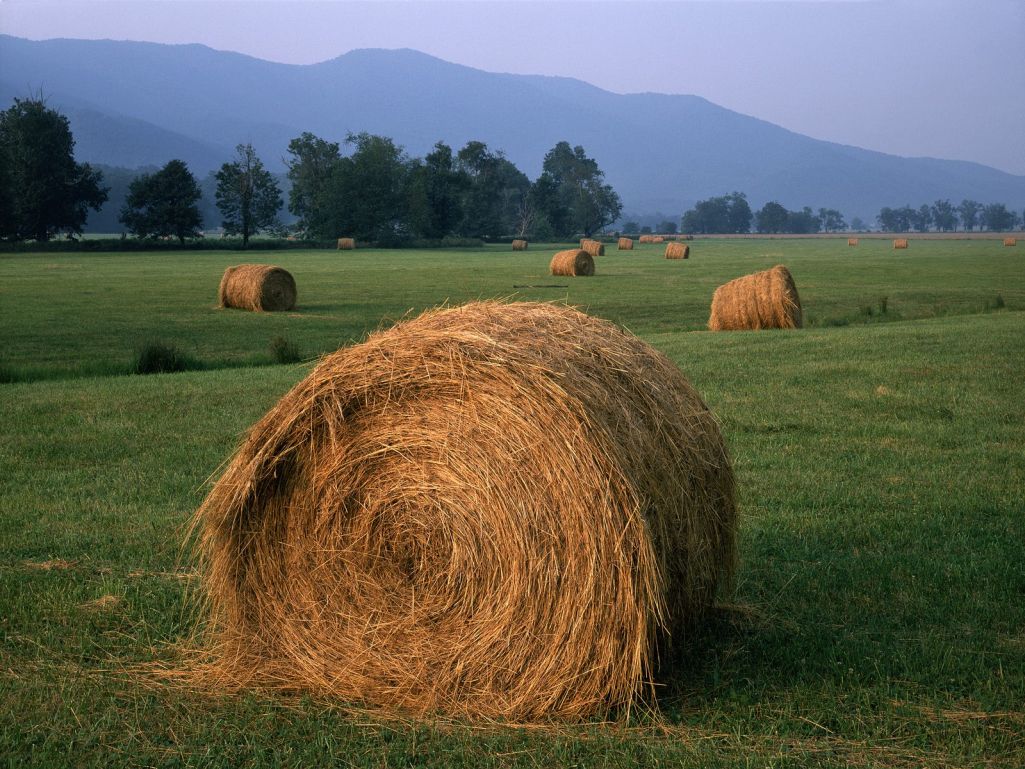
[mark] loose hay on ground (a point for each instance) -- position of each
(497, 510)
(257, 287)
(765, 299)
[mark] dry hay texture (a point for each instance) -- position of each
(765, 299)
(257, 287)
(519, 245)
(574, 261)
(593, 247)
(900, 243)
(497, 510)
(677, 251)
(1010, 242)
(346, 244)
(625, 244)
(852, 241)
(657, 239)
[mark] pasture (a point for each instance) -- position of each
(879, 618)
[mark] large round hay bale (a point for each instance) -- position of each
(626, 244)
(519, 245)
(677, 251)
(900, 243)
(573, 261)
(257, 287)
(593, 247)
(765, 299)
(1010, 241)
(346, 244)
(492, 511)
(852, 241)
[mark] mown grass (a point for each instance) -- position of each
(879, 618)
(67, 315)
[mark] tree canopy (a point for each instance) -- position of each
(164, 204)
(248, 196)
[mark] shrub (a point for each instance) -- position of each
(284, 351)
(161, 358)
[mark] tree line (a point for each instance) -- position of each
(375, 193)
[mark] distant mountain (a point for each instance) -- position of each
(143, 103)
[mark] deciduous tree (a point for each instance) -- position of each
(164, 204)
(248, 196)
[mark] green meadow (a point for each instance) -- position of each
(879, 616)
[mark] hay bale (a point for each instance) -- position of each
(677, 251)
(574, 261)
(765, 299)
(593, 247)
(852, 241)
(257, 287)
(644, 239)
(519, 245)
(900, 243)
(346, 244)
(657, 239)
(1010, 242)
(625, 244)
(491, 511)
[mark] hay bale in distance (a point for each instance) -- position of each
(852, 241)
(644, 239)
(519, 245)
(1010, 241)
(765, 299)
(574, 261)
(492, 511)
(257, 287)
(625, 244)
(346, 244)
(593, 247)
(657, 239)
(677, 251)
(900, 243)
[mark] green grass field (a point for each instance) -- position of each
(879, 618)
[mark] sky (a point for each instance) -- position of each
(939, 78)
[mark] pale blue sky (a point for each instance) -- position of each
(944, 78)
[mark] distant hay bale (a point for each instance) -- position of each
(257, 287)
(574, 261)
(765, 299)
(519, 245)
(900, 243)
(494, 511)
(677, 251)
(593, 247)
(657, 239)
(346, 244)
(626, 244)
(852, 241)
(1010, 241)
(644, 239)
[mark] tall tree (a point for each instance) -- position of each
(803, 222)
(997, 218)
(725, 214)
(164, 204)
(309, 168)
(44, 191)
(248, 196)
(944, 216)
(969, 211)
(771, 218)
(495, 192)
(366, 193)
(434, 193)
(921, 218)
(832, 220)
(582, 202)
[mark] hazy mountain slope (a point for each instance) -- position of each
(659, 151)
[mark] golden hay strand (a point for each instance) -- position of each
(519, 245)
(625, 244)
(852, 241)
(900, 243)
(346, 244)
(574, 261)
(677, 251)
(257, 287)
(765, 299)
(1010, 242)
(491, 511)
(593, 247)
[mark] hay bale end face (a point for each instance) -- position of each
(1010, 241)
(257, 287)
(677, 251)
(593, 247)
(762, 300)
(519, 245)
(852, 241)
(900, 243)
(574, 261)
(491, 511)
(346, 244)
(626, 244)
